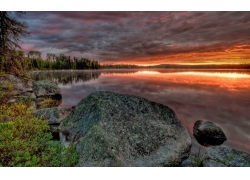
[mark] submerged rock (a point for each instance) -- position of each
(225, 157)
(207, 133)
(111, 129)
(46, 88)
(54, 115)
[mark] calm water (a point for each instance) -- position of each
(220, 96)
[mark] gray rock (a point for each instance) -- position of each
(19, 86)
(111, 129)
(27, 98)
(46, 88)
(186, 163)
(208, 133)
(225, 157)
(54, 115)
(13, 100)
(14, 79)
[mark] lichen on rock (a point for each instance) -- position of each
(111, 129)
(218, 156)
(46, 88)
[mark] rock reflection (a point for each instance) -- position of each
(65, 77)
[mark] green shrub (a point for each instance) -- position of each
(56, 155)
(42, 103)
(197, 159)
(26, 140)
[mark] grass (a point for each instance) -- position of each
(26, 99)
(197, 159)
(46, 103)
(26, 140)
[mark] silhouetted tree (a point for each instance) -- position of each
(10, 32)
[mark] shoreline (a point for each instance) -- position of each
(124, 70)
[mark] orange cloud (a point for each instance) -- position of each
(239, 54)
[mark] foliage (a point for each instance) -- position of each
(197, 159)
(27, 100)
(47, 103)
(14, 63)
(119, 66)
(10, 32)
(26, 140)
(34, 61)
(56, 155)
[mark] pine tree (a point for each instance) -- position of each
(10, 32)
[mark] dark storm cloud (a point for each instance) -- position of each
(113, 36)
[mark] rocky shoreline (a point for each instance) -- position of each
(111, 129)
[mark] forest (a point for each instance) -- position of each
(34, 61)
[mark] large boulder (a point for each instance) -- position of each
(208, 134)
(54, 115)
(46, 88)
(217, 156)
(111, 129)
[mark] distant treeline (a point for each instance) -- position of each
(204, 66)
(179, 66)
(34, 61)
(118, 66)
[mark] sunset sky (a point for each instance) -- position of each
(142, 38)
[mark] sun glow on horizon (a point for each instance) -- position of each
(172, 63)
(227, 75)
(148, 72)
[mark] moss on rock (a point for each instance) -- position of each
(111, 129)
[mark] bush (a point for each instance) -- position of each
(42, 103)
(56, 155)
(26, 140)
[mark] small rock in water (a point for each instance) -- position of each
(208, 134)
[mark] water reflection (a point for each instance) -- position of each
(148, 72)
(217, 74)
(220, 96)
(65, 77)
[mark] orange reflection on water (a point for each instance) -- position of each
(148, 72)
(229, 81)
(220, 96)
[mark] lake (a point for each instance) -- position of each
(220, 96)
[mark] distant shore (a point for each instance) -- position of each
(180, 66)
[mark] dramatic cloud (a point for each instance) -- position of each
(142, 37)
